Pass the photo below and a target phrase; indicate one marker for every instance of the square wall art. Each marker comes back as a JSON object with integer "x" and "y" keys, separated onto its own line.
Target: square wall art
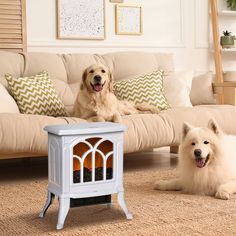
{"x": 81, "y": 19}
{"x": 128, "y": 19}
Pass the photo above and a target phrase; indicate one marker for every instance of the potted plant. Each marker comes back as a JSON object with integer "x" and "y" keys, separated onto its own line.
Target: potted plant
{"x": 227, "y": 40}
{"x": 231, "y": 4}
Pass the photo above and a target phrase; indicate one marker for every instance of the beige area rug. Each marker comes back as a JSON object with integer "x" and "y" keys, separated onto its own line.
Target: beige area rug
{"x": 155, "y": 213}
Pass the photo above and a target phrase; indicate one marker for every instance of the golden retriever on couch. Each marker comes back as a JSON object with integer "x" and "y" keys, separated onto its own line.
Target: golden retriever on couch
{"x": 96, "y": 101}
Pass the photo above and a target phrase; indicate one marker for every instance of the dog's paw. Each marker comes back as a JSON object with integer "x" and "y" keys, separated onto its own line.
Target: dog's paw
{"x": 222, "y": 194}
{"x": 100, "y": 119}
{"x": 155, "y": 110}
{"x": 161, "y": 185}
{"x": 96, "y": 119}
{"x": 117, "y": 118}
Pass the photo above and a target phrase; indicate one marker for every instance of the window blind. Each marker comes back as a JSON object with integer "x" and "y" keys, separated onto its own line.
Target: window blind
{"x": 12, "y": 25}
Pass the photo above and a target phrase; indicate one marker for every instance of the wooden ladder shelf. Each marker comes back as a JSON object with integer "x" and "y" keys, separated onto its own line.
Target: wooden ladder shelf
{"x": 218, "y": 86}
{"x": 225, "y": 91}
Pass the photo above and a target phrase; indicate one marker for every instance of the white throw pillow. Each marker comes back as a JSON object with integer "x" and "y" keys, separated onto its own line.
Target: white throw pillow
{"x": 177, "y": 87}
{"x": 7, "y": 103}
{"x": 202, "y": 92}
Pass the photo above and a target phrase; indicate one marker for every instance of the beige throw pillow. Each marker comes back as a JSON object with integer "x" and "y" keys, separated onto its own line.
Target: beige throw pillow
{"x": 177, "y": 87}
{"x": 7, "y": 103}
{"x": 202, "y": 92}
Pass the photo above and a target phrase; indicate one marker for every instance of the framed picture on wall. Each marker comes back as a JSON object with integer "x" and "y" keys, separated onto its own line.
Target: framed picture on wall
{"x": 128, "y": 19}
{"x": 80, "y": 19}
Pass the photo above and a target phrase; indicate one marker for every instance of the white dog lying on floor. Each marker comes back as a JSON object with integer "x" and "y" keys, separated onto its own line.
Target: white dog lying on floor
{"x": 207, "y": 163}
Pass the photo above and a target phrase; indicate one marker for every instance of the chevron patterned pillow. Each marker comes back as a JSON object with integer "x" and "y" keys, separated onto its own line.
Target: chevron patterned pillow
{"x": 36, "y": 95}
{"x": 147, "y": 88}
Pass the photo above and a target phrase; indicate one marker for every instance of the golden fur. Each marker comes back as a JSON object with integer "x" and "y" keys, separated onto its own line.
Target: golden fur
{"x": 207, "y": 163}
{"x": 96, "y": 101}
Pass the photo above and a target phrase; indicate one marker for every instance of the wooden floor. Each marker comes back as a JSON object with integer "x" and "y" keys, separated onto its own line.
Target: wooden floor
{"x": 37, "y": 167}
{"x": 158, "y": 159}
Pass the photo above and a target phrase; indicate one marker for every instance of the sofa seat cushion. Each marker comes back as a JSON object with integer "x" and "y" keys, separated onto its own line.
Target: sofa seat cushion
{"x": 21, "y": 133}
{"x": 24, "y": 133}
{"x": 165, "y": 129}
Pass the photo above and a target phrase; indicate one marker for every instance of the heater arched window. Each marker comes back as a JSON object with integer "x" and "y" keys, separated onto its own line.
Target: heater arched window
{"x": 93, "y": 160}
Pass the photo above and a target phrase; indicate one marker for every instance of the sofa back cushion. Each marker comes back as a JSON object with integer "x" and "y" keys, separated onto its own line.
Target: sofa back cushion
{"x": 54, "y": 65}
{"x": 121, "y": 64}
{"x": 10, "y": 63}
{"x": 75, "y": 64}
{"x": 66, "y": 70}
{"x": 129, "y": 64}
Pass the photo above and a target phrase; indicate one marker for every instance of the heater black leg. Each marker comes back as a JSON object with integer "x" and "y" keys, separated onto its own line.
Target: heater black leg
{"x": 49, "y": 201}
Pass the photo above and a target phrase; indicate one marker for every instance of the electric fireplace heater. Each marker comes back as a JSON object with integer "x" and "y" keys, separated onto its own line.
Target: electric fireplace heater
{"x": 85, "y": 166}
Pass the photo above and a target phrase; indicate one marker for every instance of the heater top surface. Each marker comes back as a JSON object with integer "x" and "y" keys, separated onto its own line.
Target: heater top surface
{"x": 85, "y": 128}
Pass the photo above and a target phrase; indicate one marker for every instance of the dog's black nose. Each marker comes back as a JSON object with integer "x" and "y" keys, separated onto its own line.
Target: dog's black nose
{"x": 97, "y": 78}
{"x": 197, "y": 152}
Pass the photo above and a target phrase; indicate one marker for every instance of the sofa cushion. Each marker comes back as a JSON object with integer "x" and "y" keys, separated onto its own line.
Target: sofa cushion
{"x": 165, "y": 129}
{"x": 10, "y": 63}
{"x": 54, "y": 64}
{"x": 177, "y": 87}
{"x": 7, "y": 103}
{"x": 51, "y": 62}
{"x": 75, "y": 64}
{"x": 22, "y": 133}
{"x": 202, "y": 91}
{"x": 36, "y": 95}
{"x": 66, "y": 70}
{"x": 126, "y": 64}
{"x": 143, "y": 89}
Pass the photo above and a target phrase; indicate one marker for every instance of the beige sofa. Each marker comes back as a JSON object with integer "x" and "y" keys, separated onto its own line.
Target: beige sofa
{"x": 23, "y": 136}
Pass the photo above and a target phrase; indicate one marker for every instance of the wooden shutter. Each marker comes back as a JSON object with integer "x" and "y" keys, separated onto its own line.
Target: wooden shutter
{"x": 12, "y": 25}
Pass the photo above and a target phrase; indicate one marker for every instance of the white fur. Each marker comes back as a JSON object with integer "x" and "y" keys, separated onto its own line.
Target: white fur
{"x": 218, "y": 176}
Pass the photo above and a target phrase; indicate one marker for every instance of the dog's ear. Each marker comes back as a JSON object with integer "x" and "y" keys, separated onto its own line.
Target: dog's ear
{"x": 213, "y": 125}
{"x": 110, "y": 84}
{"x": 185, "y": 130}
{"x": 84, "y": 76}
{"x": 81, "y": 85}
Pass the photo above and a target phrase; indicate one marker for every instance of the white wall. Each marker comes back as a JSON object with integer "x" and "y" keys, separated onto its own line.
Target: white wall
{"x": 227, "y": 23}
{"x": 178, "y": 26}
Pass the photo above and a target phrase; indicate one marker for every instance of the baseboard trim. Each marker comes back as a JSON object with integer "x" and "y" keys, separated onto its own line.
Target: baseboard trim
{"x": 174, "y": 149}
{"x": 104, "y": 44}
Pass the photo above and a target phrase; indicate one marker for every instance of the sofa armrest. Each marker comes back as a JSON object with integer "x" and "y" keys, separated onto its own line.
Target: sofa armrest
{"x": 7, "y": 103}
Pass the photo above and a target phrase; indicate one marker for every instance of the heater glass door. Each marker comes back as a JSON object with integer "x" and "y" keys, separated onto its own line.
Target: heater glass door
{"x": 93, "y": 160}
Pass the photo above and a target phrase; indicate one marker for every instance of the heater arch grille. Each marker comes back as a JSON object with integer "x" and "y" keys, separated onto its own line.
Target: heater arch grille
{"x": 93, "y": 160}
